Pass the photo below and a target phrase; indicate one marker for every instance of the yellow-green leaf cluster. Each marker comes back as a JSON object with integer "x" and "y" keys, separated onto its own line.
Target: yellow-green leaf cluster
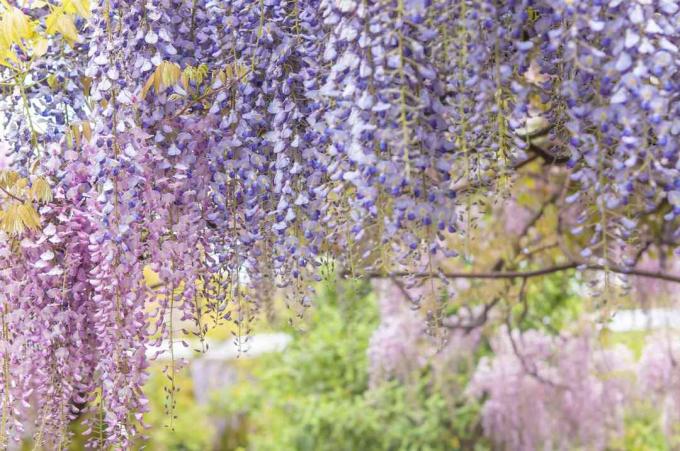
{"x": 231, "y": 73}
{"x": 40, "y": 191}
{"x": 62, "y": 18}
{"x": 165, "y": 76}
{"x": 16, "y": 29}
{"x": 19, "y": 31}
{"x": 78, "y": 7}
{"x": 196, "y": 74}
{"x": 194, "y": 81}
{"x": 19, "y": 199}
{"x": 78, "y": 132}
{"x": 60, "y": 21}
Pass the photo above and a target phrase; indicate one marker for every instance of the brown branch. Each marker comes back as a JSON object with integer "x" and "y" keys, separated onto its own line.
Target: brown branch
{"x": 403, "y": 290}
{"x": 522, "y": 296}
{"x": 536, "y": 153}
{"x": 476, "y": 322}
{"x": 479, "y": 320}
{"x": 228, "y": 85}
{"x": 478, "y": 275}
{"x": 501, "y": 275}
{"x": 641, "y": 251}
{"x": 538, "y": 249}
{"x": 13, "y": 196}
{"x": 515, "y": 167}
{"x": 638, "y": 272}
{"x": 533, "y": 372}
{"x": 531, "y": 273}
{"x": 553, "y": 159}
{"x": 532, "y": 222}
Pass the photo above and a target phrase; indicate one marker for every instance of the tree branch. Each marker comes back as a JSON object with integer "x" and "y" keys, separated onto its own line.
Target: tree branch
{"x": 529, "y": 370}
{"x": 532, "y": 273}
{"x": 474, "y": 322}
{"x": 515, "y": 167}
{"x": 13, "y": 196}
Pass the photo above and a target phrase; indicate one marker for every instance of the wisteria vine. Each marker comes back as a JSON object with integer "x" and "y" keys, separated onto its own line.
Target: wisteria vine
{"x": 232, "y": 146}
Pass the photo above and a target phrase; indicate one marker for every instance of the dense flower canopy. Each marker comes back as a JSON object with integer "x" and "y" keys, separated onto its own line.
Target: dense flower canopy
{"x": 232, "y": 147}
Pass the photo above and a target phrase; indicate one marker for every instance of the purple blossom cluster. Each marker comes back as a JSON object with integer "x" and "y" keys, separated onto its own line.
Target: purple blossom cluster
{"x": 399, "y": 347}
{"x": 537, "y": 391}
{"x": 659, "y": 376}
{"x": 618, "y": 111}
{"x": 556, "y": 393}
{"x": 402, "y": 344}
{"x": 338, "y": 128}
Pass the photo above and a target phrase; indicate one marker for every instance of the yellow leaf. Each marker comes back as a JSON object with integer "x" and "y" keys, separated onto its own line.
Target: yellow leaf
{"x": 228, "y": 72}
{"x": 34, "y": 166}
{"x": 165, "y": 75}
{"x": 51, "y": 20}
{"x": 80, "y": 7}
{"x": 185, "y": 80}
{"x": 41, "y": 190}
{"x": 87, "y": 130}
{"x": 21, "y": 183}
{"x": 157, "y": 79}
{"x": 241, "y": 70}
{"x": 151, "y": 277}
{"x": 40, "y": 47}
{"x": 172, "y": 74}
{"x": 59, "y": 21}
{"x": 75, "y": 130}
{"x": 17, "y": 25}
{"x": 9, "y": 56}
{"x": 29, "y": 216}
{"x": 7, "y": 178}
{"x": 148, "y": 85}
{"x": 529, "y": 182}
{"x": 52, "y": 81}
{"x": 222, "y": 76}
{"x": 11, "y": 221}
{"x": 66, "y": 26}
{"x": 333, "y": 196}
{"x": 201, "y": 71}
{"x": 87, "y": 84}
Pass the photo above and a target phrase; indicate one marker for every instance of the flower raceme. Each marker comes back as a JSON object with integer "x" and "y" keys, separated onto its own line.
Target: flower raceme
{"x": 231, "y": 146}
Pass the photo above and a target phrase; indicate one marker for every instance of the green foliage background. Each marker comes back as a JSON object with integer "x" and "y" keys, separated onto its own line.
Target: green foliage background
{"x": 315, "y": 395}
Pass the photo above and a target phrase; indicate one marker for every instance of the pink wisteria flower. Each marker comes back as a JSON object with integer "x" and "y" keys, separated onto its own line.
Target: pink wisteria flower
{"x": 552, "y": 393}
{"x": 399, "y": 346}
{"x": 515, "y": 217}
{"x": 659, "y": 375}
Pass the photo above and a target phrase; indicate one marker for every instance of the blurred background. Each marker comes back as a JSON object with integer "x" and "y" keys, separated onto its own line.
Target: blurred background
{"x": 363, "y": 371}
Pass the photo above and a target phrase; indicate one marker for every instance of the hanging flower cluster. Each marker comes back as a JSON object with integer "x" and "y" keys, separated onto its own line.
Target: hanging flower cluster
{"x": 401, "y": 347}
{"x": 659, "y": 374}
{"x": 231, "y": 146}
{"x": 563, "y": 392}
{"x": 548, "y": 392}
